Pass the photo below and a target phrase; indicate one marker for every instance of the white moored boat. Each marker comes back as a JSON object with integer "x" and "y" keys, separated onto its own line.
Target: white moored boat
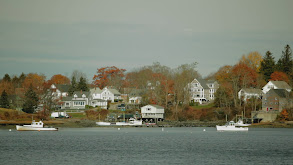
{"x": 132, "y": 122}
{"x": 35, "y": 126}
{"x": 230, "y": 126}
{"x": 241, "y": 124}
{"x": 103, "y": 123}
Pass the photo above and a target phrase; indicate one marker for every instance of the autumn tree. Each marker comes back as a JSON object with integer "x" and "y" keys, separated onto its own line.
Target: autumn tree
{"x": 109, "y": 76}
{"x": 252, "y": 60}
{"x": 31, "y": 100}
{"x": 284, "y": 115}
{"x": 59, "y": 79}
{"x": 182, "y": 76}
{"x": 242, "y": 77}
{"x": 4, "y": 103}
{"x": 36, "y": 81}
{"x": 267, "y": 66}
{"x": 224, "y": 74}
{"x": 279, "y": 76}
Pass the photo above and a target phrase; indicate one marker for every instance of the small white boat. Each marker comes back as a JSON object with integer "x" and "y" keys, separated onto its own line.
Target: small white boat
{"x": 230, "y": 126}
{"x": 35, "y": 126}
{"x": 132, "y": 122}
{"x": 241, "y": 124}
{"x": 103, "y": 123}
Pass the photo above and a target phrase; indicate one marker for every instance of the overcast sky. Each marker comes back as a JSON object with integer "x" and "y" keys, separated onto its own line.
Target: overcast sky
{"x": 57, "y": 37}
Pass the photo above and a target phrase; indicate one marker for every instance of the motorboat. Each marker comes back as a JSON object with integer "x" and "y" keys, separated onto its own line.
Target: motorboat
{"x": 230, "y": 126}
{"x": 240, "y": 123}
{"x": 103, "y": 123}
{"x": 35, "y": 126}
{"x": 131, "y": 122}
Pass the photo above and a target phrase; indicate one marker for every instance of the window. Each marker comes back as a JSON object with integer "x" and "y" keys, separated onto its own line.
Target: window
{"x": 79, "y": 103}
{"x": 148, "y": 109}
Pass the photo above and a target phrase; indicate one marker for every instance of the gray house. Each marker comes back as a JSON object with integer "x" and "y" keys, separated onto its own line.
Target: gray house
{"x": 78, "y": 100}
{"x": 203, "y": 90}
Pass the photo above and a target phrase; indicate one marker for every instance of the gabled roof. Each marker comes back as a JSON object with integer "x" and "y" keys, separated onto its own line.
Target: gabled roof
{"x": 156, "y": 106}
{"x": 114, "y": 91}
{"x": 95, "y": 90}
{"x": 282, "y": 93}
{"x": 252, "y": 90}
{"x": 80, "y": 93}
{"x": 281, "y": 84}
{"x": 62, "y": 87}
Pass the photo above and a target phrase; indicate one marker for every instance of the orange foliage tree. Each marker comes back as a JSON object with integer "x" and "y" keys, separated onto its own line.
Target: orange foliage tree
{"x": 109, "y": 76}
{"x": 279, "y": 76}
{"x": 223, "y": 74}
{"x": 253, "y": 60}
{"x": 36, "y": 80}
{"x": 59, "y": 79}
{"x": 284, "y": 115}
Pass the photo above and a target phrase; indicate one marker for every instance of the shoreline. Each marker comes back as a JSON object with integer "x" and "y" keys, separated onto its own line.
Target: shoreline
{"x": 71, "y": 123}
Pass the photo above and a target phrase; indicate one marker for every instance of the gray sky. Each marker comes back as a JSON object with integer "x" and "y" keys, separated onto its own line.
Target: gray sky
{"x": 57, "y": 37}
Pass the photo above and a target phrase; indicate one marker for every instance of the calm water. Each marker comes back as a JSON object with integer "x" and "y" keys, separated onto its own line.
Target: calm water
{"x": 147, "y": 146}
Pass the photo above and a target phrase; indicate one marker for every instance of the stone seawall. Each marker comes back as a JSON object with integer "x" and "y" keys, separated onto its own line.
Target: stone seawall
{"x": 267, "y": 116}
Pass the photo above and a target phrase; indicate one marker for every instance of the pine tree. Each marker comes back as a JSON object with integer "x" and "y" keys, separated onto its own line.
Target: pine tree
{"x": 6, "y": 78}
{"x": 73, "y": 86}
{"x": 82, "y": 85}
{"x": 31, "y": 100}
{"x": 285, "y": 63}
{"x": 267, "y": 66}
{"x": 4, "y": 100}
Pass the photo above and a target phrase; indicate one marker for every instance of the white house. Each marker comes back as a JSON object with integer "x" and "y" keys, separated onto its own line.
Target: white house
{"x": 276, "y": 85}
{"x": 247, "y": 93}
{"x": 59, "y": 90}
{"x": 202, "y": 90}
{"x": 110, "y": 94}
{"x": 152, "y": 113}
{"x": 78, "y": 100}
{"x": 95, "y": 98}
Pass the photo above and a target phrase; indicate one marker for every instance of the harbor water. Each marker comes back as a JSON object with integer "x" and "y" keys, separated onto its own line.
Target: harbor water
{"x": 110, "y": 145}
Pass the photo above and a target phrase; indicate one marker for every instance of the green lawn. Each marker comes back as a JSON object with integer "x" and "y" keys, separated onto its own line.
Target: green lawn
{"x": 77, "y": 115}
{"x": 199, "y": 106}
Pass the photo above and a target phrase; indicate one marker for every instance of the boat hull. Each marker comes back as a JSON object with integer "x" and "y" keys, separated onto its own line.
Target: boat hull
{"x": 231, "y": 128}
{"x": 103, "y": 123}
{"x": 28, "y": 128}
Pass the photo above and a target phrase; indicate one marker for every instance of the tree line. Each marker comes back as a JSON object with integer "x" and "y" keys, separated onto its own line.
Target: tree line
{"x": 161, "y": 84}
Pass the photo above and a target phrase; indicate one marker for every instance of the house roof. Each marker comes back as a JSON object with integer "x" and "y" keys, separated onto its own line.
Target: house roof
{"x": 114, "y": 91}
{"x": 156, "y": 106}
{"x": 252, "y": 90}
{"x": 66, "y": 98}
{"x": 281, "y": 84}
{"x": 95, "y": 90}
{"x": 282, "y": 93}
{"x": 63, "y": 87}
{"x": 80, "y": 93}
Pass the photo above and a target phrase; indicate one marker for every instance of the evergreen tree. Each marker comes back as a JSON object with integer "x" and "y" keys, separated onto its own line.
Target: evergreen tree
{"x": 82, "y": 85}
{"x": 6, "y": 78}
{"x": 267, "y": 66}
{"x": 285, "y": 63}
{"x": 73, "y": 86}
{"x": 4, "y": 100}
{"x": 31, "y": 100}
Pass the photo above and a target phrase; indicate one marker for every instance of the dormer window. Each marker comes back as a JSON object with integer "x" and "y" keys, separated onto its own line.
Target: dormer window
{"x": 83, "y": 95}
{"x": 75, "y": 96}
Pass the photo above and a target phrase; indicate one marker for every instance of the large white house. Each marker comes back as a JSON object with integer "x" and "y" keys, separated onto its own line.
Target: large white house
{"x": 152, "y": 113}
{"x": 276, "y": 85}
{"x": 110, "y": 94}
{"x": 202, "y": 90}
